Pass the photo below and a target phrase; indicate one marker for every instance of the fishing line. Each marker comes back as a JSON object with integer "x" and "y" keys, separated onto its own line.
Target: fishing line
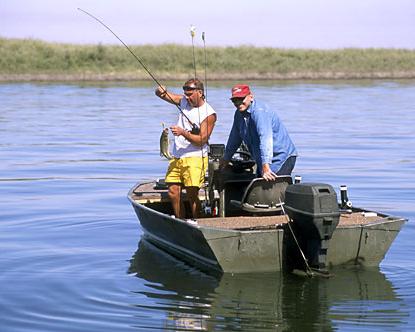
{"x": 309, "y": 271}
{"x": 142, "y": 64}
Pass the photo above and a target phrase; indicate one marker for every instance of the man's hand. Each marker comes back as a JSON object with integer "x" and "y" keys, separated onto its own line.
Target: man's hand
{"x": 267, "y": 173}
{"x": 161, "y": 91}
{"x": 177, "y": 131}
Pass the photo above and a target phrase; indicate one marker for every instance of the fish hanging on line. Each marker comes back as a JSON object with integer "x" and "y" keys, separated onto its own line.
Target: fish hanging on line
{"x": 165, "y": 144}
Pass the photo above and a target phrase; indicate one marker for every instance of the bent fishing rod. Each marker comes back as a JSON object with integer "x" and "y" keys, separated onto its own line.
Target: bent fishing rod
{"x": 195, "y": 128}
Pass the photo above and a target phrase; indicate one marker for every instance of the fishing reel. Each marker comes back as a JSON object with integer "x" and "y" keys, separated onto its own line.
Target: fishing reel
{"x": 195, "y": 129}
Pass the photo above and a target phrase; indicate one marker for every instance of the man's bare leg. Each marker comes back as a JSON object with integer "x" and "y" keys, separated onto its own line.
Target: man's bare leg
{"x": 175, "y": 191}
{"x": 193, "y": 197}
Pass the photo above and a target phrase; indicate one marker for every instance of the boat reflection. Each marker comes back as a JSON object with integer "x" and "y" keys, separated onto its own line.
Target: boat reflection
{"x": 270, "y": 301}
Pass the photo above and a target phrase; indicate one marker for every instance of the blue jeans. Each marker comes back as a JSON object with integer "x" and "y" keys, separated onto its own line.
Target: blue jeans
{"x": 286, "y": 168}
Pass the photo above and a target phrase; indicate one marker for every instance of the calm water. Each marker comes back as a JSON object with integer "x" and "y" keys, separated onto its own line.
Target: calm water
{"x": 71, "y": 258}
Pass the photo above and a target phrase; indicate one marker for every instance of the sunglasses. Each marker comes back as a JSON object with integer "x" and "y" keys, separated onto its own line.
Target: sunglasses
{"x": 238, "y": 100}
{"x": 188, "y": 88}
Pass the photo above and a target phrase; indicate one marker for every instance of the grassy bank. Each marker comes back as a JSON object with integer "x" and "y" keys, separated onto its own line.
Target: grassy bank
{"x": 36, "y": 60}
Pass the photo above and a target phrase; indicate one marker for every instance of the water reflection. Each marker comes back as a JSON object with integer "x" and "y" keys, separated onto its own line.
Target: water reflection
{"x": 258, "y": 302}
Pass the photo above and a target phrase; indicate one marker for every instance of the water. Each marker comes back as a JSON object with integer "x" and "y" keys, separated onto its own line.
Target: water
{"x": 71, "y": 258}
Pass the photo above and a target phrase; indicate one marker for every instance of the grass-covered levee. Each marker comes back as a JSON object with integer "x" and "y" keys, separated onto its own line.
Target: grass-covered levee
{"x": 29, "y": 59}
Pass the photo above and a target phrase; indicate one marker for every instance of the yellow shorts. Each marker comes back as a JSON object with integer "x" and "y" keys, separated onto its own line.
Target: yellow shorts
{"x": 188, "y": 171}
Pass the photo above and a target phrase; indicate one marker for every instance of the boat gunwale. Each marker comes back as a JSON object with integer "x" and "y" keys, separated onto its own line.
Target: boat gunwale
{"x": 385, "y": 218}
{"x": 183, "y": 221}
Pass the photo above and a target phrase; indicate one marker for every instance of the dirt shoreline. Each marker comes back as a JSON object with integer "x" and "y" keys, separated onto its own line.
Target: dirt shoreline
{"x": 99, "y": 77}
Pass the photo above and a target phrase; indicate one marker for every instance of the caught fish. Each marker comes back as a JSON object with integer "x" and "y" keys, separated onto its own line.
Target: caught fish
{"x": 164, "y": 144}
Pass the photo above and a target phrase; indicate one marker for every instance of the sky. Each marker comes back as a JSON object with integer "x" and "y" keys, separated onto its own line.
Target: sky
{"x": 322, "y": 24}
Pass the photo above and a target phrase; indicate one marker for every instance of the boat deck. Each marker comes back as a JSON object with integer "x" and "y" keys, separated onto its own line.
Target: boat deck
{"x": 146, "y": 193}
{"x": 267, "y": 222}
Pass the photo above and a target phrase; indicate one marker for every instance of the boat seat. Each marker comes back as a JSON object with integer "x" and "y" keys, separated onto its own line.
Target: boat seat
{"x": 264, "y": 197}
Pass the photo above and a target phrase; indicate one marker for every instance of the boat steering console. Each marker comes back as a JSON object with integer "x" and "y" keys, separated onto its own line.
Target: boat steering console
{"x": 238, "y": 174}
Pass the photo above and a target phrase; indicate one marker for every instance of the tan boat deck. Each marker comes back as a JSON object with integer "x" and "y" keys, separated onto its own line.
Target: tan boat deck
{"x": 255, "y": 222}
{"x": 145, "y": 193}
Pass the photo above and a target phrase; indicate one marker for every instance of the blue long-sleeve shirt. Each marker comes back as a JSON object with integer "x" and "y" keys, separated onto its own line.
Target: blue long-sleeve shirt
{"x": 265, "y": 135}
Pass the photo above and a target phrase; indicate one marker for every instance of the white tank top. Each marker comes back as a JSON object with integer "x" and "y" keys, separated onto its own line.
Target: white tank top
{"x": 182, "y": 147}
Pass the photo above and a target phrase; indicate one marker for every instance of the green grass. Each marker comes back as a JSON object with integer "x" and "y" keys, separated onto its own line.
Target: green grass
{"x": 34, "y": 57}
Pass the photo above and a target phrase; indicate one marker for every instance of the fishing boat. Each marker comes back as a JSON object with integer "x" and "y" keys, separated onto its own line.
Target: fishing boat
{"x": 251, "y": 225}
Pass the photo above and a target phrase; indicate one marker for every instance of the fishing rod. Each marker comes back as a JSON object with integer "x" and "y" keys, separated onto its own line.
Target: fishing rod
{"x": 207, "y": 207}
{"x": 192, "y": 33}
{"x": 195, "y": 128}
{"x": 204, "y": 51}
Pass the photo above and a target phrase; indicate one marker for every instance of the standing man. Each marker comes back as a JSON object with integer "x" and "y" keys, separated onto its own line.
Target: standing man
{"x": 262, "y": 131}
{"x": 190, "y": 151}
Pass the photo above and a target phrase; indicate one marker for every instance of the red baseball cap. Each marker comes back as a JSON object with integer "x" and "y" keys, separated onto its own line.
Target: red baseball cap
{"x": 240, "y": 91}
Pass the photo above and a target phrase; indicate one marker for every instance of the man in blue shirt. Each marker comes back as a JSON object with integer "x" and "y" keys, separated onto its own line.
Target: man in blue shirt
{"x": 262, "y": 131}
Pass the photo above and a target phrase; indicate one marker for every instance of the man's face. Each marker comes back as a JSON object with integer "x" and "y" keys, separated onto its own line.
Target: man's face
{"x": 193, "y": 96}
{"x": 242, "y": 103}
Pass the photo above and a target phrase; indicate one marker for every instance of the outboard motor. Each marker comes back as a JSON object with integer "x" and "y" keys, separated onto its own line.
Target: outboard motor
{"x": 315, "y": 213}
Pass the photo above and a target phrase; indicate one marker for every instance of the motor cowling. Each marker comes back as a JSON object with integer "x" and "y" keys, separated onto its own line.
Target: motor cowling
{"x": 315, "y": 213}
